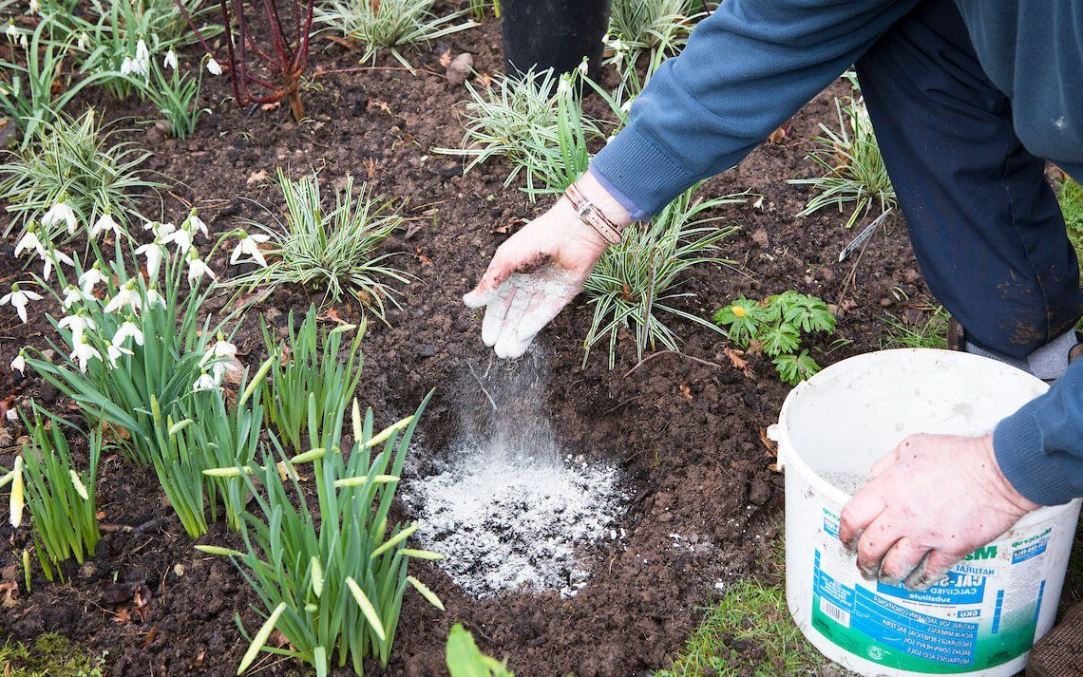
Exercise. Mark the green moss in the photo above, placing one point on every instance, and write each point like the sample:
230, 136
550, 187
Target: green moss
1070, 195
49, 655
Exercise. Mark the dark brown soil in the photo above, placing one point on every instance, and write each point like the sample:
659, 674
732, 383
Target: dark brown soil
687, 435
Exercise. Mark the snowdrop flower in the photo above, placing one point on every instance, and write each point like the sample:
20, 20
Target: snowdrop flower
170, 60
16, 501
25, 45
60, 213
141, 51
155, 253
564, 85
249, 245
213, 67
205, 382
114, 353
84, 353
30, 241
219, 357
35, 6
160, 230
583, 67
17, 299
105, 224
73, 295
127, 297
154, 298
77, 324
53, 259
84, 42
19, 363
197, 270
193, 224
127, 67
91, 278
182, 238
11, 31
128, 330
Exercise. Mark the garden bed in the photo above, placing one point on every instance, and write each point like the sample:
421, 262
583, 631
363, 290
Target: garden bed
703, 502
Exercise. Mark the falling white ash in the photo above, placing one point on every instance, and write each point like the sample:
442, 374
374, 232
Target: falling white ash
507, 511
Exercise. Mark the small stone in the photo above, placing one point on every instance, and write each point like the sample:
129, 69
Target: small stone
460, 69
911, 276
886, 302
426, 351
154, 135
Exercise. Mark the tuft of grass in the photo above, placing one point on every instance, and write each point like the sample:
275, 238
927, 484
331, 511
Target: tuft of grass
502, 119
647, 32
748, 631
389, 24
638, 280
73, 163
1070, 195
855, 172
50, 655
331, 250
931, 333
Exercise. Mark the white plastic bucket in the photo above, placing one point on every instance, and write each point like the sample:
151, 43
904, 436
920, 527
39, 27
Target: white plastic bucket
981, 619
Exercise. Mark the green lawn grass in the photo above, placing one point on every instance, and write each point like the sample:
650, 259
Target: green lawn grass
1070, 195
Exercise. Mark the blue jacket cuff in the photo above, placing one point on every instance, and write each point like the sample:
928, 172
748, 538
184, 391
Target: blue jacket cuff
631, 207
1018, 446
639, 173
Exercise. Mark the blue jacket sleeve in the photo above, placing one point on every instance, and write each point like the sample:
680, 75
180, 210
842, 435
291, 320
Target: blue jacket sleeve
1038, 448
746, 69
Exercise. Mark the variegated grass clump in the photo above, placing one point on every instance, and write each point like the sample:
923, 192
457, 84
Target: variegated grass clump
333, 250
856, 177
331, 582
636, 282
389, 24
73, 165
642, 34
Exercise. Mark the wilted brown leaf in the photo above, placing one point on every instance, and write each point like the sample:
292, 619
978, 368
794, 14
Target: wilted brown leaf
258, 176
686, 392
422, 257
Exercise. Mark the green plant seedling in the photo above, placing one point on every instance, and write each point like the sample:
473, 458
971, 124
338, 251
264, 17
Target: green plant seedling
465, 659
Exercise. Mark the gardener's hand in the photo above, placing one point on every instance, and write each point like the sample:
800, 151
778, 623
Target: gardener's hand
539, 270
929, 503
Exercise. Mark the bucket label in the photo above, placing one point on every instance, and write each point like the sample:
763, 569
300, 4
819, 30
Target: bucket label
981, 614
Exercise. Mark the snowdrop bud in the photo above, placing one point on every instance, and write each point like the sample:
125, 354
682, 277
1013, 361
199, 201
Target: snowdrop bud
170, 60
213, 67
583, 67
11, 31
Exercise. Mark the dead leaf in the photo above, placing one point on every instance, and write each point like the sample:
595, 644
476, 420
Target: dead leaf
736, 358
10, 593
413, 229
273, 105
255, 177
151, 634
332, 315
122, 615
772, 447
686, 392
445, 59
780, 135
421, 257
484, 79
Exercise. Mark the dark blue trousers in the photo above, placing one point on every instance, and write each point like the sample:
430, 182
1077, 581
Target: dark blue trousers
984, 222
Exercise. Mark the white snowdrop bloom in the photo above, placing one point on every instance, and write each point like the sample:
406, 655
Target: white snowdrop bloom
141, 51
30, 241
583, 67
127, 297
73, 295
160, 230
91, 278
219, 357
17, 299
11, 31
563, 86
114, 353
60, 213
84, 42
197, 270
205, 382
154, 298
19, 363
25, 44
128, 330
193, 224
127, 67
170, 60
213, 67
141, 62
249, 245
182, 238
53, 259
155, 253
105, 224
84, 353
35, 6
77, 324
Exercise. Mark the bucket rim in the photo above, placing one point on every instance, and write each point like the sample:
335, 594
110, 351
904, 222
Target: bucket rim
791, 459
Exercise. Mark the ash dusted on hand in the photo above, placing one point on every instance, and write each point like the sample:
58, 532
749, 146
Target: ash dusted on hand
539, 270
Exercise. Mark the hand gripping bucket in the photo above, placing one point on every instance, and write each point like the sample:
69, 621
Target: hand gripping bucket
984, 616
